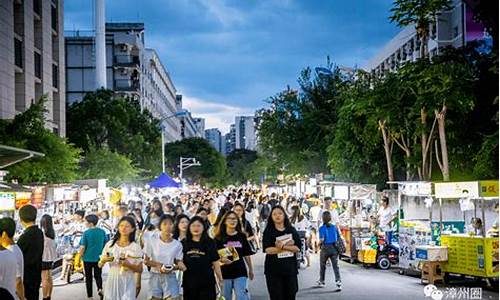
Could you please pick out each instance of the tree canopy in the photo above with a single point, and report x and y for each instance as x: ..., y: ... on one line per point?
x: 211, y: 172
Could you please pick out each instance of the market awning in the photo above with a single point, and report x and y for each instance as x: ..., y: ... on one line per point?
x: 164, y: 181
x: 11, y: 155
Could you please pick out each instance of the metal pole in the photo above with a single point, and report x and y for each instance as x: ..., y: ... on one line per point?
x: 483, y: 220
x: 163, y: 150
x: 100, y: 45
x: 181, y: 167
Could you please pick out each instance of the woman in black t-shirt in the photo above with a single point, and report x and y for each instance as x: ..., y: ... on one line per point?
x: 229, y: 236
x: 239, y: 209
x: 281, y: 242
x: 201, y: 260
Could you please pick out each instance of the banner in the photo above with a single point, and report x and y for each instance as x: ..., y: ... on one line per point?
x: 489, y: 188
x: 7, y: 201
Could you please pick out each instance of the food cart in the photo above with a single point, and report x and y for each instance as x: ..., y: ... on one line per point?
x: 470, y: 254
x: 414, y: 228
x: 355, y: 229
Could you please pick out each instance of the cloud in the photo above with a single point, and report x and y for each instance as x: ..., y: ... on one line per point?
x: 226, y: 15
x: 217, y: 115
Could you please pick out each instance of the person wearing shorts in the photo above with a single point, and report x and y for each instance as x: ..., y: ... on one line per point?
x: 164, y: 256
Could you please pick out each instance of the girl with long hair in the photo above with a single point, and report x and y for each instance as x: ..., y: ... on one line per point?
x: 229, y: 236
x: 328, y: 235
x: 124, y: 257
x: 302, y: 225
x: 281, y: 243
x: 181, y: 227
x: 202, y: 261
x: 49, y: 255
x: 239, y: 209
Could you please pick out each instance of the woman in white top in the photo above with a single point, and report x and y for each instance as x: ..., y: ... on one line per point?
x: 302, y: 225
x: 124, y: 256
x: 49, y: 255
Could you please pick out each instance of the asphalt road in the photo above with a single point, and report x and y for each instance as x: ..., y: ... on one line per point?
x: 358, y: 283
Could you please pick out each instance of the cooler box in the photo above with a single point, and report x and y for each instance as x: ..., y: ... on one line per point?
x: 431, y: 253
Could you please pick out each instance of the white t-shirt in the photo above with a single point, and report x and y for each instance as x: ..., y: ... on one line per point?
x: 7, y: 277
x: 314, y: 211
x: 333, y: 213
x: 19, y: 259
x: 165, y: 253
x: 385, y: 216
x: 302, y: 225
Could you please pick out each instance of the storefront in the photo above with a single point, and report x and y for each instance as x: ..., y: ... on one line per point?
x: 473, y: 253
x: 356, y: 201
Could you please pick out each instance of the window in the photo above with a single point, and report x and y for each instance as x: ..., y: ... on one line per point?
x: 38, y: 65
x: 18, y: 53
x: 455, y: 31
x: 37, y: 7
x: 55, y: 76
x: 54, y: 18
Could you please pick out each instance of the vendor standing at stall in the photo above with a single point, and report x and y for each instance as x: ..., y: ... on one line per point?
x: 386, y: 216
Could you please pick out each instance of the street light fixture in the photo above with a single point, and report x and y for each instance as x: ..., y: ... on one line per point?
x: 177, y: 114
x: 186, y: 163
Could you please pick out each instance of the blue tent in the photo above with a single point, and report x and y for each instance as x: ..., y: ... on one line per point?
x: 164, y: 181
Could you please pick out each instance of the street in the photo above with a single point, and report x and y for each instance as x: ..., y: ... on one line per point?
x: 358, y: 283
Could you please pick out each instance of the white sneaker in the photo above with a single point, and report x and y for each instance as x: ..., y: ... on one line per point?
x: 339, y: 285
x: 320, y: 284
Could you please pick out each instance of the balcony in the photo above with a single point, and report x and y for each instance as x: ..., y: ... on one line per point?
x: 127, y: 85
x: 126, y: 61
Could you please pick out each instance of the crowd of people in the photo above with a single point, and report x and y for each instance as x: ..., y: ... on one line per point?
x: 195, y: 245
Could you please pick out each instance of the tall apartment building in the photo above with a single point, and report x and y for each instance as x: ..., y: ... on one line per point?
x: 32, y: 59
x: 189, y: 126
x: 454, y: 27
x: 132, y: 71
x: 200, y: 126
x: 230, y: 140
x: 245, y: 135
x: 214, y: 137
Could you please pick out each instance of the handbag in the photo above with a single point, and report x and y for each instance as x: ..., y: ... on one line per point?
x: 340, y: 244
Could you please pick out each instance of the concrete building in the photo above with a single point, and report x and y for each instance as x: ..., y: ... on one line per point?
x: 230, y: 140
x: 189, y: 126
x: 214, y: 137
x: 454, y: 27
x: 132, y: 71
x: 200, y: 126
x: 32, y: 59
x: 245, y: 135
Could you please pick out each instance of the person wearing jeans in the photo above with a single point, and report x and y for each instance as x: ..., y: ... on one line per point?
x: 91, y: 245
x: 328, y: 237
x: 235, y: 256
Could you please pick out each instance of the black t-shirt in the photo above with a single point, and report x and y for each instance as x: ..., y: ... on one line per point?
x: 198, y: 258
x: 238, y: 268
x: 248, y: 228
x: 273, y: 264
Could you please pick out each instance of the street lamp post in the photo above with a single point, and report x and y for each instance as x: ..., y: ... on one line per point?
x: 185, y: 163
x: 177, y: 114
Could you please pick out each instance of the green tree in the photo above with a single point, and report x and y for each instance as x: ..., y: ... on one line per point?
x: 420, y: 13
x: 239, y: 164
x: 104, y: 163
x: 298, y: 125
x: 27, y: 131
x: 103, y: 120
x: 213, y: 169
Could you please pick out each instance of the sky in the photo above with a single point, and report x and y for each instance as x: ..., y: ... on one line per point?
x: 226, y: 57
